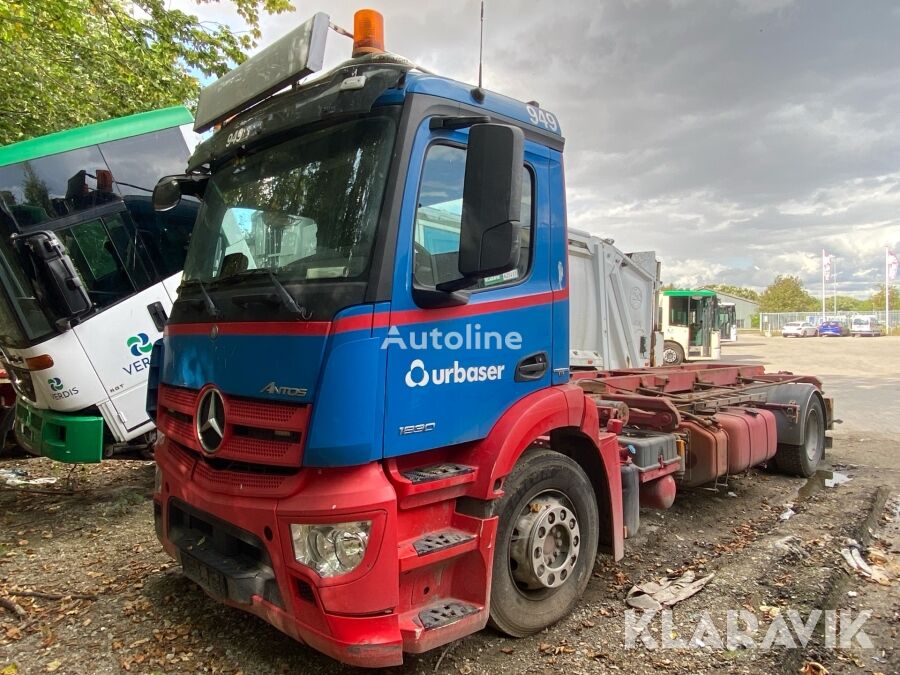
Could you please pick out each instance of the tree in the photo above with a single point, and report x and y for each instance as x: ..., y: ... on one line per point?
x: 876, y: 301
x: 786, y: 294
x: 35, y: 189
x: 66, y: 63
x: 738, y: 291
x: 846, y: 303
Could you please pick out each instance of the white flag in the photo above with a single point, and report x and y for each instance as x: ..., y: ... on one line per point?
x: 826, y: 266
x: 892, y: 265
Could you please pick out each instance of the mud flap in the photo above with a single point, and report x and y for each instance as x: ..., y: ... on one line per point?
x: 790, y: 402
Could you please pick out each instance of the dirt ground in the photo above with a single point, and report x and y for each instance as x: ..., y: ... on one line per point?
x: 97, y: 594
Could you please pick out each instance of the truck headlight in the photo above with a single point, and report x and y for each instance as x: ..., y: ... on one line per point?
x: 332, y: 549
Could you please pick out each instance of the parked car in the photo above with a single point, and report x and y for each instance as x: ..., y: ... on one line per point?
x: 865, y: 324
x: 798, y: 329
x: 833, y: 329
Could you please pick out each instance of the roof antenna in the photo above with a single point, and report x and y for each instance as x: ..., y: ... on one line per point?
x: 478, y: 92
x: 481, y: 44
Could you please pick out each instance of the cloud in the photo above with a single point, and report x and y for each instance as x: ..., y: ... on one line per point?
x: 737, y: 139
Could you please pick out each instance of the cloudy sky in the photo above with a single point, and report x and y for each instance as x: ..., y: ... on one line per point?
x: 736, y: 138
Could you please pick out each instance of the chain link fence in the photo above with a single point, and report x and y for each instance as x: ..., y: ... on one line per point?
x: 774, y: 321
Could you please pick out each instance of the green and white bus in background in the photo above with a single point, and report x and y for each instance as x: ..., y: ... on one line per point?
x: 688, y: 322
x: 88, y: 274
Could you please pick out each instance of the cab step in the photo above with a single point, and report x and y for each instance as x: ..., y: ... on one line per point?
x: 436, y: 547
x: 429, y: 483
x: 426, y: 474
x: 444, y: 613
x: 440, y: 622
x: 438, y: 541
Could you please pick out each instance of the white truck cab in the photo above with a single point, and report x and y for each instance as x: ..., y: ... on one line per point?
x: 88, y: 275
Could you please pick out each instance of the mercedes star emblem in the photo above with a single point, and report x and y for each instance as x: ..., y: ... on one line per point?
x: 210, y: 420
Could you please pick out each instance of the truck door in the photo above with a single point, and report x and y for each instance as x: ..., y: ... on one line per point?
x: 133, y: 304
x: 452, y: 371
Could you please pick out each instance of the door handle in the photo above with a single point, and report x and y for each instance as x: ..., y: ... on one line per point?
x: 158, y: 314
x: 532, y: 367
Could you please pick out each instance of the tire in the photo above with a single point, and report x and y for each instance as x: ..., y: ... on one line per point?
x: 7, y: 435
x: 803, y: 460
x: 673, y: 353
x: 545, y: 490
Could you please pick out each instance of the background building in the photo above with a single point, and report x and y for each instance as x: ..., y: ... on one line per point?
x: 743, y: 308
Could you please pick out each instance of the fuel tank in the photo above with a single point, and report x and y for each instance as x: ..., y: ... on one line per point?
x: 752, y: 436
x: 706, y: 455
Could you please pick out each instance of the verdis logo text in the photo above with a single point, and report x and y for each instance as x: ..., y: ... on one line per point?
x: 139, y: 346
x: 421, y: 376
x: 58, y: 389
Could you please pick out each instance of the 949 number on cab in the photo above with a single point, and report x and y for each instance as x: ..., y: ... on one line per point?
x: 542, y: 118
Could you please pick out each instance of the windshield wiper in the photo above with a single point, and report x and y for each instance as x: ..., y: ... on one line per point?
x: 206, y: 301
x: 281, y: 295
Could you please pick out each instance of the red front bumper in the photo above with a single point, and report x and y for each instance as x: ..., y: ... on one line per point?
x: 353, y: 618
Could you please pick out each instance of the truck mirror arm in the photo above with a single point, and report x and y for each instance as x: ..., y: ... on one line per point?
x: 434, y: 298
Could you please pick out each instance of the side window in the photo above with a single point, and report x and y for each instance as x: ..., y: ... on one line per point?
x: 130, y: 252
x: 439, y: 214
x: 678, y: 311
x: 99, y: 266
x: 165, y: 236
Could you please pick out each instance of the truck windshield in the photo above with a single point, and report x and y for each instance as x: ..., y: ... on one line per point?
x: 306, y: 209
x: 22, y: 317
x: 96, y: 199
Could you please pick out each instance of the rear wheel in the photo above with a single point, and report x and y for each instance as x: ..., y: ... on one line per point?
x: 803, y: 459
x: 546, y: 543
x: 673, y: 353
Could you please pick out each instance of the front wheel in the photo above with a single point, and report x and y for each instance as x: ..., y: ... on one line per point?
x: 546, y: 543
x: 7, y: 421
x: 673, y: 353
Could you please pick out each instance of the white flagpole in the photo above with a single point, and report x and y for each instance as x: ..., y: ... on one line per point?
x: 887, y: 292
x: 834, y: 281
x: 823, y: 284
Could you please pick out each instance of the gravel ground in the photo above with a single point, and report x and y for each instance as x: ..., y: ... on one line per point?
x: 117, y: 604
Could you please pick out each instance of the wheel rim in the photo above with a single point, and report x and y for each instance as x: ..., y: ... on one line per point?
x: 545, y: 543
x: 813, y: 433
x: 669, y: 355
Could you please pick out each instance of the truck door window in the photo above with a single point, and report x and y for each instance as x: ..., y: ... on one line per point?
x: 679, y: 311
x: 165, y: 235
x: 438, y: 218
x: 98, y: 264
x: 130, y: 252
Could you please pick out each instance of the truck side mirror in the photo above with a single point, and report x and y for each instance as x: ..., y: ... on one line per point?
x: 491, y: 205
x: 62, y: 281
x: 170, y: 189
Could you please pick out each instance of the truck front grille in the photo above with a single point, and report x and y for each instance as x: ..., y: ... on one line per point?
x: 257, y: 432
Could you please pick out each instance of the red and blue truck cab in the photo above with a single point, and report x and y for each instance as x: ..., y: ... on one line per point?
x: 369, y: 432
